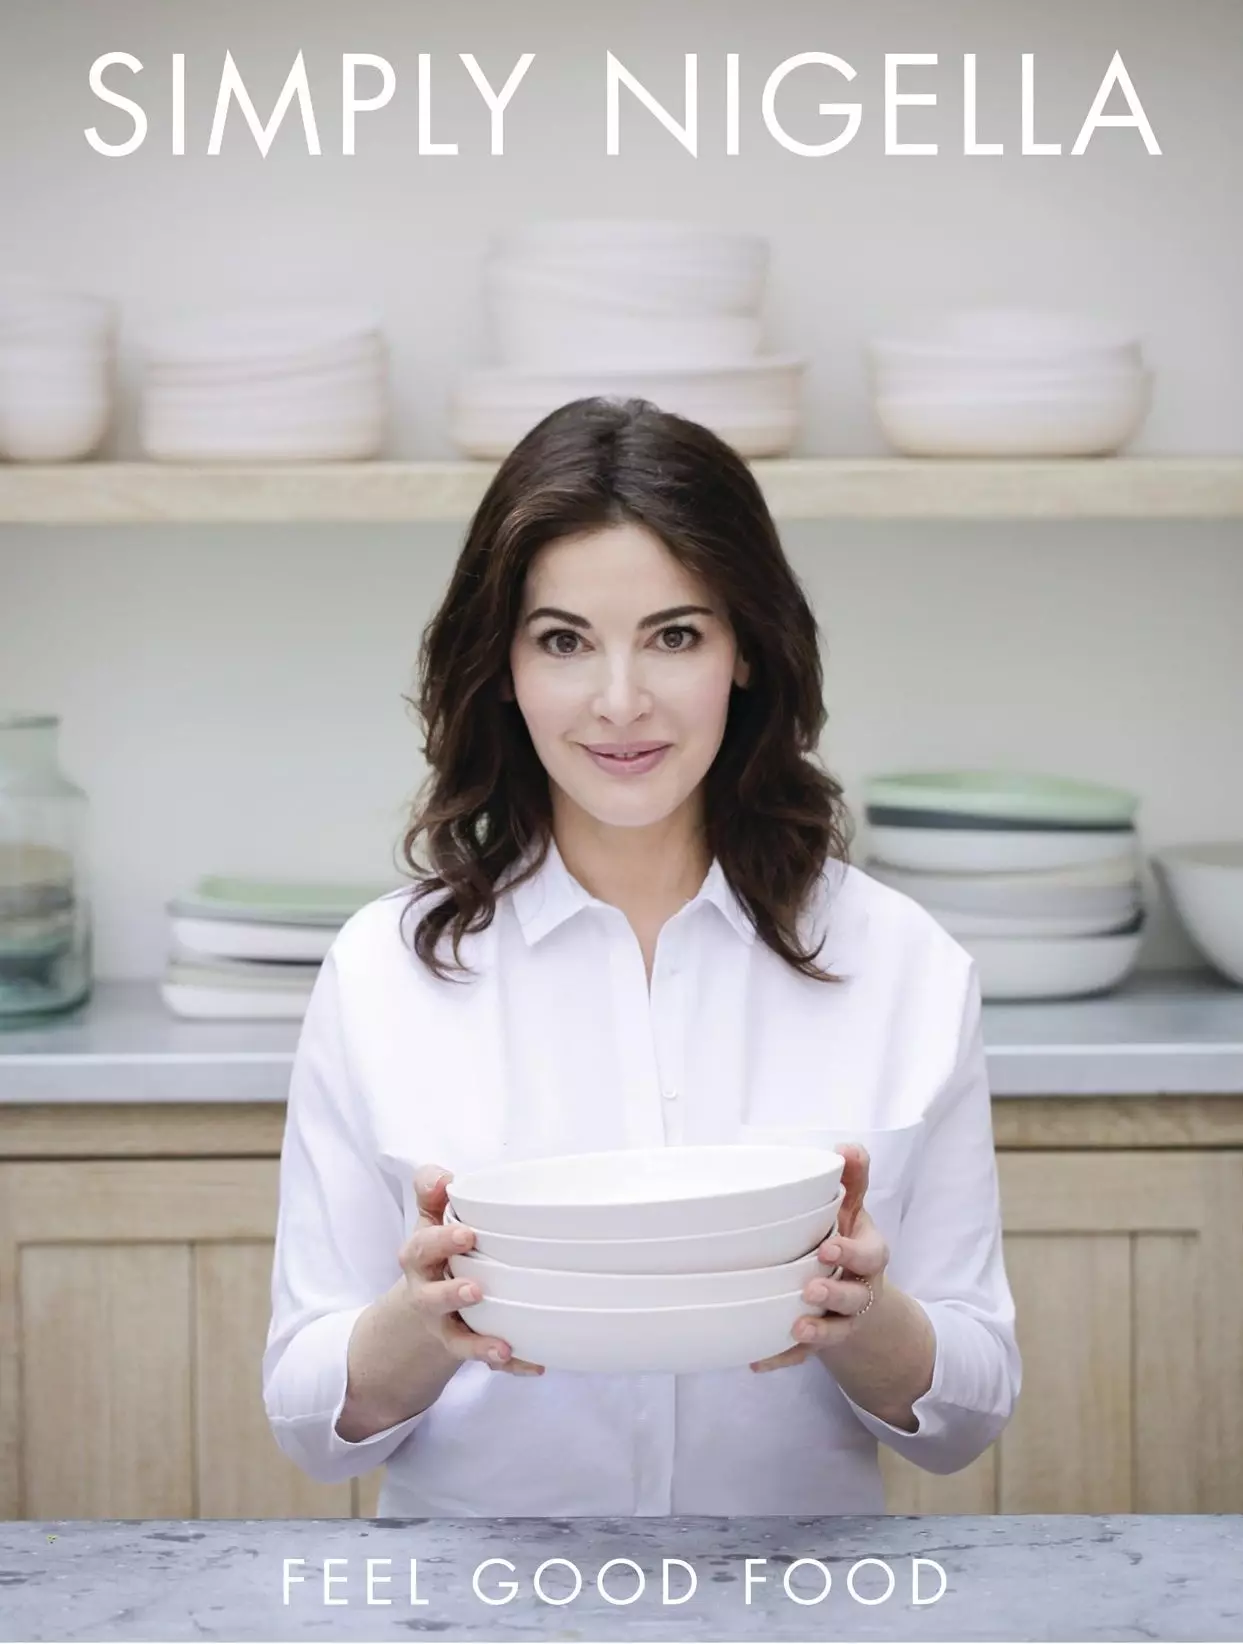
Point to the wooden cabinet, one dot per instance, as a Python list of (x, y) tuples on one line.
[(135, 1260)]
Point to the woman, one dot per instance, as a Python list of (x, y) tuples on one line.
[(633, 866)]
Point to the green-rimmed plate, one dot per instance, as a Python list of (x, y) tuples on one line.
[(1013, 795), (277, 901)]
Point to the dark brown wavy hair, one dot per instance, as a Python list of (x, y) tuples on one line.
[(773, 816)]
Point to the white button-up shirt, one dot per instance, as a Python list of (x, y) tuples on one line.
[(558, 1046)]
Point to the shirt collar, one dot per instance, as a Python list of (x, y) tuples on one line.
[(552, 895)]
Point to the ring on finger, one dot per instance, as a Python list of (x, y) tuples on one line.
[(859, 1279)]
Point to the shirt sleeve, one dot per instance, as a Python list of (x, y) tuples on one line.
[(339, 1229), (948, 1258)]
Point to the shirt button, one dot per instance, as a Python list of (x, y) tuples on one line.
[(671, 1095)]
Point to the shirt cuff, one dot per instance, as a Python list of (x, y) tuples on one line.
[(313, 1377), (961, 1414)]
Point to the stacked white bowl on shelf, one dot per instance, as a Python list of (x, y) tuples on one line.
[(995, 382), (667, 312), (265, 385), (1038, 877), (57, 373), (647, 1259), (245, 949)]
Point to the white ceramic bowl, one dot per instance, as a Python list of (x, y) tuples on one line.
[(981, 850), (1077, 423), (541, 1286), (541, 335), (1015, 895), (1205, 884), (1012, 968), (769, 1245), (647, 1193), (637, 1341), (961, 925)]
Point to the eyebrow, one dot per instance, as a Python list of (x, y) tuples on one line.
[(653, 621)]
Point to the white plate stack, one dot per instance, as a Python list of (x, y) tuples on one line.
[(661, 311), (265, 385), (57, 372), (644, 1260), (251, 949), (1037, 877), (1010, 383)]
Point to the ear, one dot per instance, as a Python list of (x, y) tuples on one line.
[(742, 672), (507, 687)]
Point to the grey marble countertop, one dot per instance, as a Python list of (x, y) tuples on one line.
[(1020, 1578), (1177, 1033)]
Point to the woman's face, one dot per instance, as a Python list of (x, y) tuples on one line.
[(619, 648)]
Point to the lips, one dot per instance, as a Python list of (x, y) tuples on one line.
[(630, 763)]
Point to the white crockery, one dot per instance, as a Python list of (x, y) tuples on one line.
[(1205, 884), (539, 335), (960, 925), (768, 1245), (1013, 968), (646, 1193), (1087, 421), (636, 1341), (971, 850), (544, 1286), (1017, 895)]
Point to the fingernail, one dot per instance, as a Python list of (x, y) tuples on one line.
[(468, 1293), (805, 1332), (832, 1252), (818, 1292), (461, 1237)]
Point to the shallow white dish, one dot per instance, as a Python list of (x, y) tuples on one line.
[(962, 925), (541, 1286), (637, 1341), (971, 850), (768, 1245), (647, 1193), (241, 939), (231, 1004), (540, 334), (1205, 884), (1015, 895), (1079, 423), (1052, 969)]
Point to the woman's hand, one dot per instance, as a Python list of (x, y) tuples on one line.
[(859, 1249), (434, 1293)]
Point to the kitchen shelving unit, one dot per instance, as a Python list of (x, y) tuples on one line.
[(809, 488)]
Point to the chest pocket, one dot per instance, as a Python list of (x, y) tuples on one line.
[(893, 1153)]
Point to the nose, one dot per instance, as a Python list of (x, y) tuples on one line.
[(621, 697)]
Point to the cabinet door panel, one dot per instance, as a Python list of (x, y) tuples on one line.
[(106, 1381), (241, 1473)]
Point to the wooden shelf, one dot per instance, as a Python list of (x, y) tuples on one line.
[(881, 488)]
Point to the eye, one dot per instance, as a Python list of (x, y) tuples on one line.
[(691, 635), (557, 634)]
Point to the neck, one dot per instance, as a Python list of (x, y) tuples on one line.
[(644, 871)]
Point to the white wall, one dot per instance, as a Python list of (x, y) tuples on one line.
[(232, 698)]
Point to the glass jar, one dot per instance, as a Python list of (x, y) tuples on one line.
[(45, 920)]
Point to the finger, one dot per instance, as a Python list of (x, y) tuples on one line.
[(844, 1296), (865, 1255), (439, 1297), (430, 1189), (817, 1333), (497, 1354), (855, 1175), (792, 1355), (430, 1247)]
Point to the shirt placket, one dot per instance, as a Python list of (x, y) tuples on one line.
[(651, 1032)]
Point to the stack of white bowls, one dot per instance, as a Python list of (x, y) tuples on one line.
[(661, 311), (648, 1259), (265, 385), (1010, 383), (57, 366), (1205, 884), (1039, 878)]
